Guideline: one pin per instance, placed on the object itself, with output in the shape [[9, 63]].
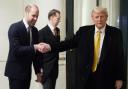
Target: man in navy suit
[[23, 50], [109, 73], [49, 61]]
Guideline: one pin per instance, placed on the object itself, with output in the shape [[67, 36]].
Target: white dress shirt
[[28, 29], [102, 35], [51, 27]]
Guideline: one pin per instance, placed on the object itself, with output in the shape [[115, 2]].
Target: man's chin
[[100, 26], [32, 24]]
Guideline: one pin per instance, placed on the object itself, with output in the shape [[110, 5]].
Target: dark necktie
[[30, 35], [55, 32]]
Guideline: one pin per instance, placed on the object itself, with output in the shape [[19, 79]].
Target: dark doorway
[[124, 27]]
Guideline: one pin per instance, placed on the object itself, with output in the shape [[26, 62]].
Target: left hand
[[118, 84]]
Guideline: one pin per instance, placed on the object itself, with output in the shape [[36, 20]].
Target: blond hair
[[100, 10]]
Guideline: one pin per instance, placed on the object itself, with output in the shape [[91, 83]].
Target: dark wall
[[124, 28], [70, 55]]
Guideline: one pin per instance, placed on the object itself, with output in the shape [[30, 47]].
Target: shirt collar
[[25, 23], [51, 27], [102, 30]]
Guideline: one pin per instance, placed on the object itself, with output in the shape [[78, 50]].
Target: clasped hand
[[42, 47]]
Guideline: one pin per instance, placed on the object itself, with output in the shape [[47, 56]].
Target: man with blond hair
[[99, 51]]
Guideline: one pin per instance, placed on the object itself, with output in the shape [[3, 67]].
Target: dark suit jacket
[[111, 59], [50, 59], [21, 54]]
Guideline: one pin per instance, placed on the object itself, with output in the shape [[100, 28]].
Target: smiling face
[[99, 18], [32, 15]]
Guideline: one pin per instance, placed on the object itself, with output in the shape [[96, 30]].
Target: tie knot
[[98, 32], [28, 29]]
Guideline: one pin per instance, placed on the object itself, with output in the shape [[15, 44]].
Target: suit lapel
[[106, 44], [33, 34], [51, 33], [23, 28], [92, 41], [24, 32]]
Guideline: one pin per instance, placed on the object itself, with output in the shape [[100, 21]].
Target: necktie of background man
[[55, 32]]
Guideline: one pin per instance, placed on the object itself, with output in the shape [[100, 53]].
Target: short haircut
[[100, 9], [28, 7], [53, 13]]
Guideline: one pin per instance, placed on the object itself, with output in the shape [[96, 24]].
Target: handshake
[[42, 47]]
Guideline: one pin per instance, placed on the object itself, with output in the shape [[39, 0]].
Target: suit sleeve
[[37, 63], [67, 44], [120, 65], [16, 47], [41, 36]]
